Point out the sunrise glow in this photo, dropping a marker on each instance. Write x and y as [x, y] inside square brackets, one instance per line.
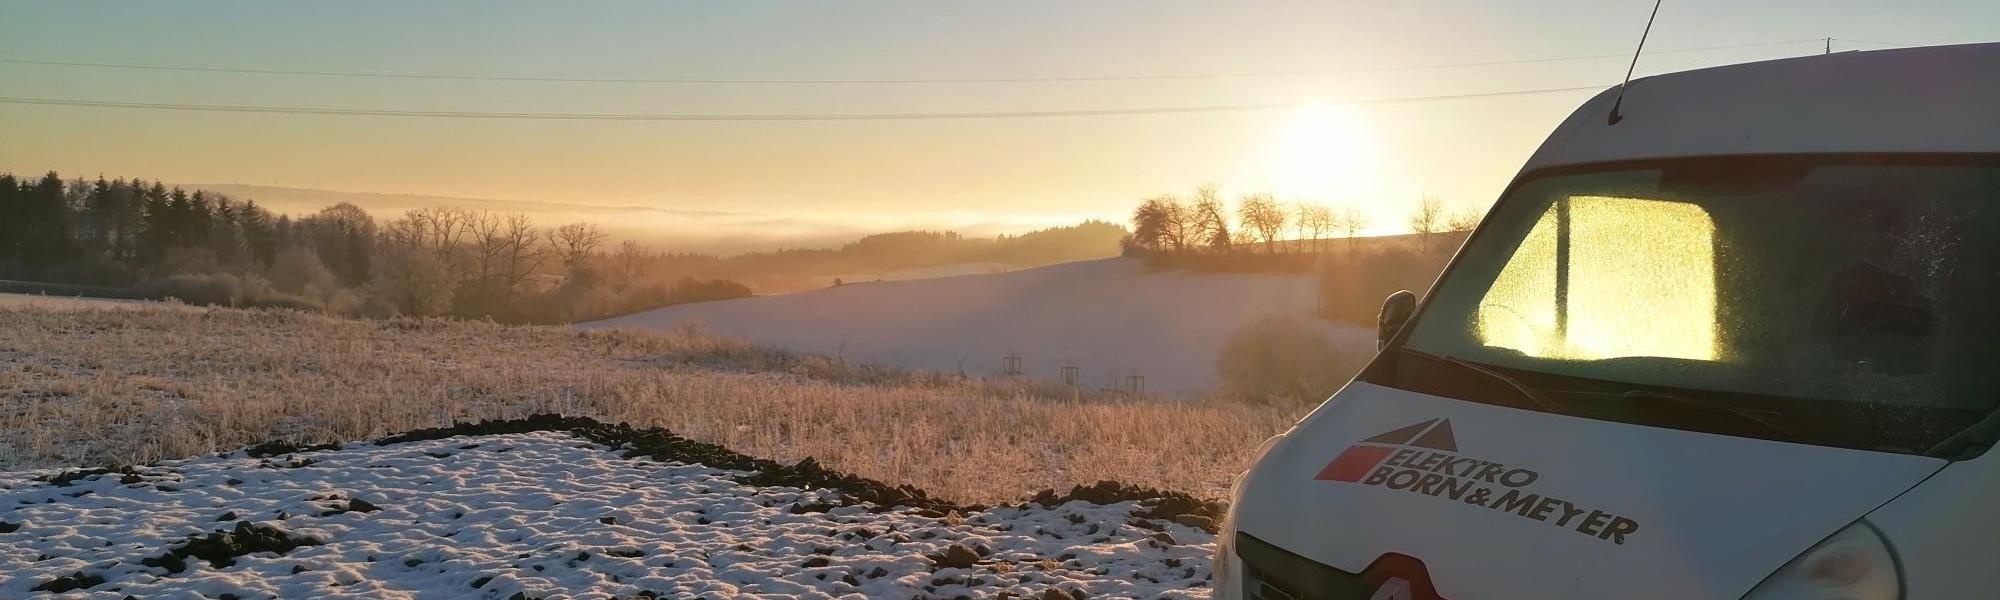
[1323, 154]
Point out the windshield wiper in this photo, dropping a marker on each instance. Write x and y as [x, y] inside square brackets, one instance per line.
[1969, 441]
[1540, 400]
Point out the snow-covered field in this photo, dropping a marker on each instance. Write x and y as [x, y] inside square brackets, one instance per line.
[552, 514]
[1109, 318]
[934, 272]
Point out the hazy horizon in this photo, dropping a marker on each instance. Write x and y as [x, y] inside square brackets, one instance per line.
[663, 228]
[1314, 68]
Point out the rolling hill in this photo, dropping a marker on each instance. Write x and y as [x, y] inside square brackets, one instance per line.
[1109, 318]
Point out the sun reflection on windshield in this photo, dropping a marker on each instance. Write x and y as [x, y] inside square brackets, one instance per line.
[1604, 277]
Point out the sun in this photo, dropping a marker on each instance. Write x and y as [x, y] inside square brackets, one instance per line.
[1323, 154]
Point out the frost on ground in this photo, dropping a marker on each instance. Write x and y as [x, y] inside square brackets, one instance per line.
[553, 514]
[1107, 319]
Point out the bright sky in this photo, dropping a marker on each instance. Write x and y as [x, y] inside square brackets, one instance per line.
[1383, 156]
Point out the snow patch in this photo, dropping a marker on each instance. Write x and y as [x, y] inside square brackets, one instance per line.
[548, 514]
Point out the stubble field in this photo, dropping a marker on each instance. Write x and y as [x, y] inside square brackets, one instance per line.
[82, 386]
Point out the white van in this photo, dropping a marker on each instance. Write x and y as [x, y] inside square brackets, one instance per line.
[1739, 339]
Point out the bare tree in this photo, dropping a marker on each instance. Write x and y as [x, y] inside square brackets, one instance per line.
[1427, 219]
[506, 250]
[408, 272]
[1211, 221]
[1263, 218]
[1153, 226]
[628, 260]
[1182, 229]
[522, 252]
[1315, 221]
[1463, 219]
[1352, 223]
[344, 237]
[347, 216]
[445, 232]
[1302, 222]
[488, 246]
[406, 231]
[575, 242]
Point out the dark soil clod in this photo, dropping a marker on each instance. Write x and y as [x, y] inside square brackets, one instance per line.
[222, 547]
[68, 478]
[283, 447]
[72, 582]
[956, 556]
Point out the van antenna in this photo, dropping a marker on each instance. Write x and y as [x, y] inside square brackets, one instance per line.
[1615, 117]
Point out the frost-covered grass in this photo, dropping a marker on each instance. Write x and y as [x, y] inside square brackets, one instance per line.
[548, 515]
[94, 387]
[46, 302]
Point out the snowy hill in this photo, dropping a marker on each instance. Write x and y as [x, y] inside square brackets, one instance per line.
[1109, 318]
[933, 272]
[560, 511]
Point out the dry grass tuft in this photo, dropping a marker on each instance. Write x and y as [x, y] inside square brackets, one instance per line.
[93, 386]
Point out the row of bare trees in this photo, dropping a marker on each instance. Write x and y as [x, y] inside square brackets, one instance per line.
[448, 260]
[1430, 218]
[483, 265]
[1201, 223]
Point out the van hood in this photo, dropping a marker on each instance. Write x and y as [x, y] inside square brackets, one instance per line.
[1498, 502]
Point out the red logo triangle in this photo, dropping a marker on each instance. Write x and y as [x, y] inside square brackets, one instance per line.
[1438, 438]
[1400, 436]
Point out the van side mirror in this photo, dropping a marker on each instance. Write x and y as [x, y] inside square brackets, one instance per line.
[1396, 311]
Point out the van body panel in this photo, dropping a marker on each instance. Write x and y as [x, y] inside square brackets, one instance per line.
[1943, 532]
[1650, 512]
[1937, 99]
[1492, 502]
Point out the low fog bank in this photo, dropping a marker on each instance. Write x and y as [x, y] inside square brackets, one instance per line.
[715, 232]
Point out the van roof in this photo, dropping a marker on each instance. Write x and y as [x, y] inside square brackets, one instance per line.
[1931, 99]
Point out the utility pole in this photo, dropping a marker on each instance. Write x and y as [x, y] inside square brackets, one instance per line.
[1829, 45]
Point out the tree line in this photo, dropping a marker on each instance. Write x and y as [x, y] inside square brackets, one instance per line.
[210, 248]
[1202, 223]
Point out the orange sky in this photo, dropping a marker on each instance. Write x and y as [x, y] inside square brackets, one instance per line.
[1013, 172]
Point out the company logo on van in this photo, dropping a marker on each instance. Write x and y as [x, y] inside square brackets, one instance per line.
[1424, 459]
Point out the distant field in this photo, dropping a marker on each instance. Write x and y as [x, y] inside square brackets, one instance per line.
[92, 385]
[951, 270]
[1110, 319]
[37, 301]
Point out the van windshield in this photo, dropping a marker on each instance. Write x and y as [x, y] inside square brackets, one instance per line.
[1829, 300]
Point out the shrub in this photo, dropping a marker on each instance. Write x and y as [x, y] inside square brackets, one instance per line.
[1282, 360]
[226, 289]
[218, 289]
[376, 306]
[415, 280]
[1351, 287]
[298, 271]
[689, 289]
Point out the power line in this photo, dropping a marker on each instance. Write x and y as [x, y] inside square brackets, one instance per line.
[693, 81]
[910, 116]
